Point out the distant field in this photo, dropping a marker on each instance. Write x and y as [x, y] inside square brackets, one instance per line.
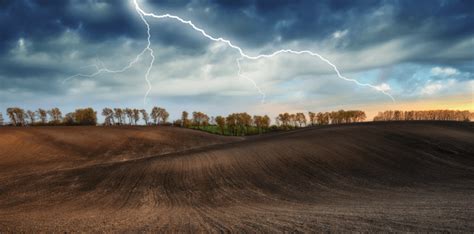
[397, 176]
[252, 130]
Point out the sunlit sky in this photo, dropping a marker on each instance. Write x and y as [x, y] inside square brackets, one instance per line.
[420, 52]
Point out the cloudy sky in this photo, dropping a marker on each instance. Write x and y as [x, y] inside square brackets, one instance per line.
[419, 52]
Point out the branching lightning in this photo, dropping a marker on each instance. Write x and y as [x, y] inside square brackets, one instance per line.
[250, 80]
[243, 55]
[106, 70]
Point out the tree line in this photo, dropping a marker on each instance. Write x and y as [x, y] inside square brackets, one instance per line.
[129, 116]
[85, 116]
[20, 117]
[237, 124]
[234, 124]
[241, 123]
[447, 115]
[287, 121]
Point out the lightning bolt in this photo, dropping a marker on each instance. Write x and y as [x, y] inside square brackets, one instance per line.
[106, 70]
[250, 80]
[243, 55]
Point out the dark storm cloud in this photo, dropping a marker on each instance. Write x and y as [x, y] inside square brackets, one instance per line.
[258, 22]
[39, 25]
[430, 32]
[40, 20]
[18, 69]
[22, 18]
[187, 41]
[435, 29]
[253, 23]
[28, 83]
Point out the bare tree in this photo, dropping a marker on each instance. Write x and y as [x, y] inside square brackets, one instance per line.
[301, 119]
[320, 119]
[284, 120]
[129, 113]
[312, 118]
[17, 116]
[108, 114]
[1, 119]
[11, 114]
[360, 116]
[326, 118]
[43, 115]
[31, 116]
[155, 114]
[136, 116]
[293, 121]
[119, 115]
[145, 116]
[20, 116]
[55, 115]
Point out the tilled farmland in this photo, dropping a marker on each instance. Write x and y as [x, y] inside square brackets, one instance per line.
[396, 176]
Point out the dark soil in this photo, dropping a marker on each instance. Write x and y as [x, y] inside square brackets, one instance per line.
[397, 176]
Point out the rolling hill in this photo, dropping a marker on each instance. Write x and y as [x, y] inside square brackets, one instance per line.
[396, 176]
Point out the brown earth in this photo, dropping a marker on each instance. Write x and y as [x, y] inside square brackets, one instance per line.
[397, 176]
[23, 150]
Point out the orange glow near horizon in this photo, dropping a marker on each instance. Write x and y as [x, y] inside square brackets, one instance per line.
[445, 103]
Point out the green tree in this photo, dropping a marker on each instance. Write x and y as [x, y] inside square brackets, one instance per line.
[220, 123]
[231, 121]
[200, 119]
[266, 122]
[258, 122]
